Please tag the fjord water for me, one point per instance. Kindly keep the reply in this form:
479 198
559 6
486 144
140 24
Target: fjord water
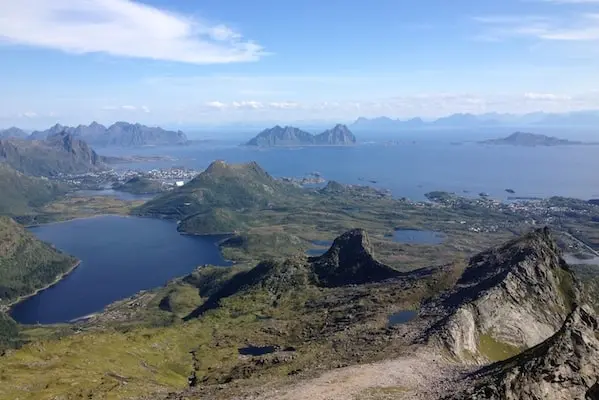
411 168
119 257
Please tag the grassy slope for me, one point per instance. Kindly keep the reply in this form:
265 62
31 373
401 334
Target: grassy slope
22 194
26 264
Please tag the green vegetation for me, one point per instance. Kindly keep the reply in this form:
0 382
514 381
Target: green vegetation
26 264
140 185
213 221
495 350
22 194
233 186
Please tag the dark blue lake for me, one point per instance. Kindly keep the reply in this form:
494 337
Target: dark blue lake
119 257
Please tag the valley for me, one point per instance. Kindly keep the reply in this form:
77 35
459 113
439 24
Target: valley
318 315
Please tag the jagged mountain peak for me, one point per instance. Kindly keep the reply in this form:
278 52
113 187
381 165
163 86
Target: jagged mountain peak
509 298
350 260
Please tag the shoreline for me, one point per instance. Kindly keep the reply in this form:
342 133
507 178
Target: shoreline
7 308
78 218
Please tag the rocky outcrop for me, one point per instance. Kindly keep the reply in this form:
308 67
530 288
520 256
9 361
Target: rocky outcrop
282 136
350 261
508 299
290 136
339 135
565 366
60 153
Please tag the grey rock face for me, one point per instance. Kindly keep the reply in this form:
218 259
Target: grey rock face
290 136
563 367
122 134
507 299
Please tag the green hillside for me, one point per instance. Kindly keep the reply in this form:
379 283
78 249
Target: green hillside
21 194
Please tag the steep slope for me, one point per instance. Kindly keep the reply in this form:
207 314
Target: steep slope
13 132
290 136
60 153
279 136
121 134
26 264
339 135
507 299
350 261
233 186
21 194
565 366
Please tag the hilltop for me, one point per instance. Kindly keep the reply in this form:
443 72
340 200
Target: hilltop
236 187
290 136
60 153
121 134
531 139
13 133
140 185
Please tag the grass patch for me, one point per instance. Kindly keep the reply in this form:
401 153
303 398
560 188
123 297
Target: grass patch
495 350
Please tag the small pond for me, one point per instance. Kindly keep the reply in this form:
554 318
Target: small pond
256 350
402 317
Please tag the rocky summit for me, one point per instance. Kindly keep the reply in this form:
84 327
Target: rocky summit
60 153
565 366
507 300
350 260
291 136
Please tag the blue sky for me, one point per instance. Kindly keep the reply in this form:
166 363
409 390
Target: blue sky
208 62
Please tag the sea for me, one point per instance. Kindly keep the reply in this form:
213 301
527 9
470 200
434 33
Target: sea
122 255
411 168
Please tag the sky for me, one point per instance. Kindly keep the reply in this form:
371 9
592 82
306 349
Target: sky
219 62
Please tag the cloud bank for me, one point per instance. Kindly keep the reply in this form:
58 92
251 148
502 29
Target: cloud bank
121 28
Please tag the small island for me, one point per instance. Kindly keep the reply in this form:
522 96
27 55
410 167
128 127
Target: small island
340 135
531 140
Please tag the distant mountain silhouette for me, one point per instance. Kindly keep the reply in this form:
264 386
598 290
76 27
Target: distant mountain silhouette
291 136
536 119
121 134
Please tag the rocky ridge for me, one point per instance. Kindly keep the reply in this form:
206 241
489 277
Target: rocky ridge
508 299
291 136
565 366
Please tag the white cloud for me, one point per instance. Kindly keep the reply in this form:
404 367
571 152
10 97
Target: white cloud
145 109
129 108
121 28
216 104
578 27
247 105
285 105
545 96
28 114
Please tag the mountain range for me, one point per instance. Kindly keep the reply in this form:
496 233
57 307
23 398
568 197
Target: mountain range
122 134
580 119
59 153
291 136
